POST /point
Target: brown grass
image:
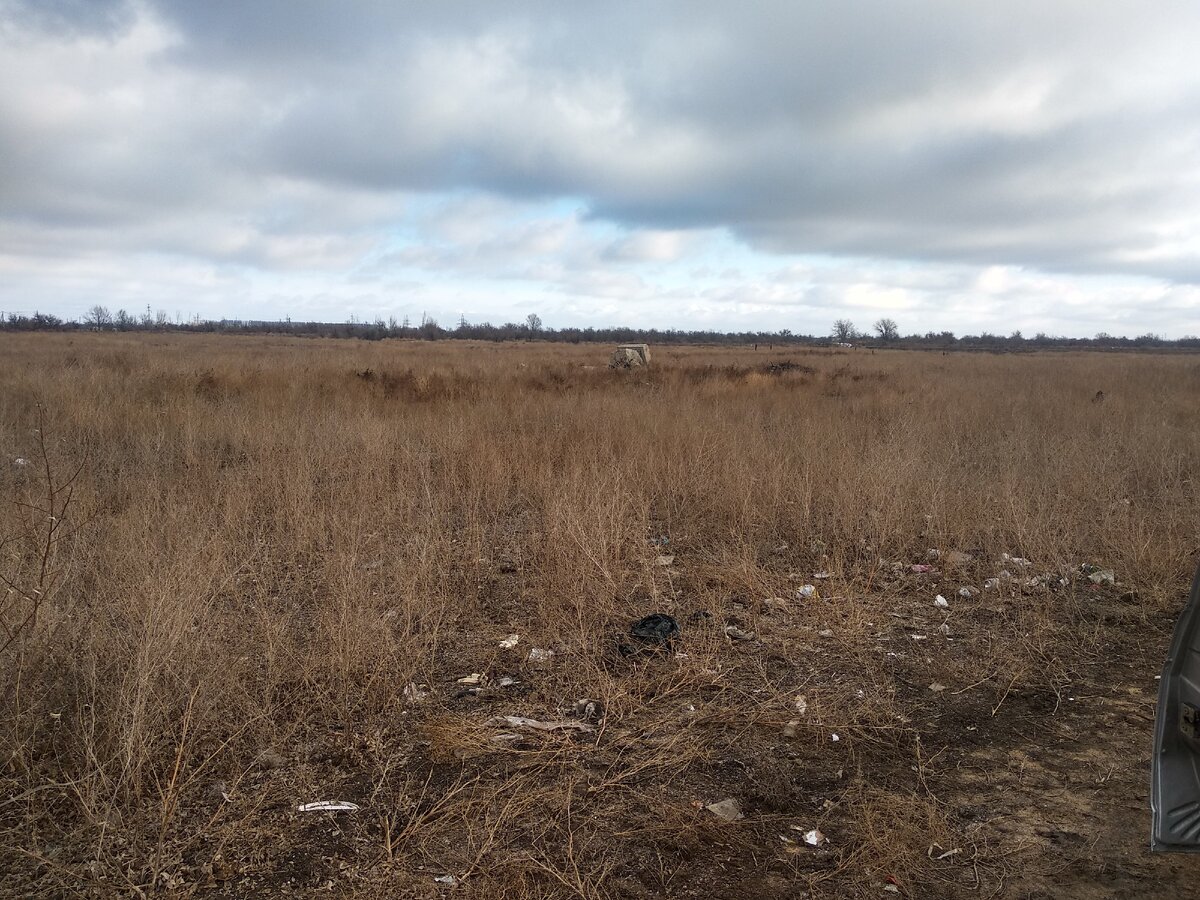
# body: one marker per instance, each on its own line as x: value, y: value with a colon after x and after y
x: 226, y: 546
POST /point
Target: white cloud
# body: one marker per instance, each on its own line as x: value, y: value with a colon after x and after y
x: 967, y: 166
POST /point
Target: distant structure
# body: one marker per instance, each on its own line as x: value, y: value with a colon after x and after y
x: 630, y: 356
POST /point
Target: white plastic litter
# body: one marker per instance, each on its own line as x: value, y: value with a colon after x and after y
x: 538, y: 725
x: 991, y: 584
x: 509, y: 642
x: 328, y: 806
x: 537, y: 654
x: 801, y: 704
x: 807, y: 591
x: 475, y: 678
x: 814, y: 838
x: 941, y: 601
x: 446, y: 879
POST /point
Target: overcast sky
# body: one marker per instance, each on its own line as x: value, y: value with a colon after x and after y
x: 952, y: 165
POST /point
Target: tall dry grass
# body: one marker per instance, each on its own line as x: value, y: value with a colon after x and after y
x: 268, y: 537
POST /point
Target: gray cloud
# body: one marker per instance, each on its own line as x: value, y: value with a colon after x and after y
x: 1057, y: 137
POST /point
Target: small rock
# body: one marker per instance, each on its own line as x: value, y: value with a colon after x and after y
x: 729, y: 810
x: 589, y: 710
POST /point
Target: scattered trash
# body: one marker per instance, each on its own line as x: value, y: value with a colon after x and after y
x: 538, y: 725
x: 941, y: 602
x: 1019, y: 561
x: 923, y: 569
x: 20, y: 461
x: 825, y: 632
x: 791, y: 729
x: 656, y: 628
x: 807, y: 591
x: 414, y: 693
x: 475, y: 678
x: 821, y: 576
x: 509, y: 642
x: 1103, y: 576
x: 729, y: 810
x: 991, y: 584
x: 944, y: 628
x: 957, y: 558
x: 833, y: 737
x: 537, y: 654
x: 941, y: 856
x: 665, y: 561
x: 891, y: 889
x: 589, y: 710
x: 736, y: 634
x: 814, y: 838
x: 801, y: 704
x: 937, y: 688
x: 328, y: 806
x: 967, y: 592
x: 507, y: 681
x: 918, y: 637
x: 448, y: 880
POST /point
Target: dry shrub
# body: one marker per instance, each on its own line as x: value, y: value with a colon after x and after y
x: 275, y: 537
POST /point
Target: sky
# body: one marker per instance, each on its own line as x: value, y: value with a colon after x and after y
x: 954, y: 166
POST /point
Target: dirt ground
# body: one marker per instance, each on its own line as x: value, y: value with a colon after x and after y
x: 1037, y: 792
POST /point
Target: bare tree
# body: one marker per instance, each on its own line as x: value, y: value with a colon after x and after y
x: 534, y: 322
x: 98, y: 317
x: 887, y: 329
x: 844, y: 331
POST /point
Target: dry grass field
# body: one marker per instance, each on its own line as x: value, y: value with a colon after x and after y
x: 244, y: 574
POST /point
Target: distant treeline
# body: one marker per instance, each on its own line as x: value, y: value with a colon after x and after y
x: 842, y: 334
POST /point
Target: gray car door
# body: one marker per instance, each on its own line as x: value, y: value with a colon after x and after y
x: 1175, y: 767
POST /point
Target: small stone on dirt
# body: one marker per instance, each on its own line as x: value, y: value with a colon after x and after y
x: 729, y: 810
